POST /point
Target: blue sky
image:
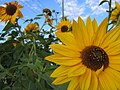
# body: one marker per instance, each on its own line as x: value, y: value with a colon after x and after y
x: 73, y: 8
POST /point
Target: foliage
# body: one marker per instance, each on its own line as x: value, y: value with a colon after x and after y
x: 22, y: 64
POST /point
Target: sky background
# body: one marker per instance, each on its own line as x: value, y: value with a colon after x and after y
x: 73, y: 8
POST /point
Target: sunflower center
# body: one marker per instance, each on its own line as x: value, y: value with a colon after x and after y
x: 11, y: 9
x: 94, y: 58
x: 64, y: 28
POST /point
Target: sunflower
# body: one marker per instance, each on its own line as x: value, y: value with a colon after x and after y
x: 31, y: 27
x: 64, y: 25
x: 116, y: 12
x: 10, y: 12
x: 89, y: 58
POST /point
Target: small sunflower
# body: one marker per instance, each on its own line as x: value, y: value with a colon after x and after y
x: 116, y: 12
x: 64, y: 25
x: 10, y: 12
x: 89, y: 58
x: 31, y: 27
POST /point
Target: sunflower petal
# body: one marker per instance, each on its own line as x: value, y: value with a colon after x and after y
x: 114, y: 59
x: 73, y: 84
x: 95, y: 25
x: 104, y: 78
x: 86, y: 78
x: 110, y: 37
x: 117, y: 5
x: 100, y: 32
x: 76, y: 70
x: 103, y: 81
x: 94, y: 81
x: 68, y: 39
x: 90, y: 29
x: 66, y: 61
x: 115, y: 66
x: 114, y: 48
x: 113, y: 76
x: 83, y: 32
x: 61, y: 80
x: 20, y: 14
x: 60, y: 71
x: 64, y: 50
x: 78, y: 34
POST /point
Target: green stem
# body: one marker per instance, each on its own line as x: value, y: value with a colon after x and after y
x: 34, y: 45
x: 43, y: 25
x: 63, y: 9
x: 109, y: 15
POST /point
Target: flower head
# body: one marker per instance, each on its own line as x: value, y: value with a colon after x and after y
x: 115, y: 13
x: 89, y: 57
x: 10, y: 12
x: 31, y: 27
x: 64, y: 26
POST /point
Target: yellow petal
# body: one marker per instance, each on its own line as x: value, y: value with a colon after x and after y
x: 60, y: 71
x: 100, y: 32
x: 77, y: 70
x: 61, y: 80
x: 107, y: 78
x: 110, y: 37
x: 95, y: 25
x: 117, y: 5
x: 20, y: 14
x: 113, y: 17
x: 78, y: 35
x: 86, y: 78
x: 114, y: 59
x: 13, y: 18
x: 94, y: 81
x: 64, y: 50
x: 61, y: 60
x: 114, y: 48
x: 68, y: 39
x: 73, y: 84
x: 113, y: 76
x: 20, y: 6
x: 115, y: 66
x: 83, y: 32
x: 90, y: 29
x: 115, y: 12
x: 103, y: 81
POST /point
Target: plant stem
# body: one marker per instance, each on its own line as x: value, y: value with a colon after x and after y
x: 109, y: 15
x: 62, y: 9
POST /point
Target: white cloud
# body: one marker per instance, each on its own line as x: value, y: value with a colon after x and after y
x: 75, y: 8
x: 72, y: 9
x: 94, y: 7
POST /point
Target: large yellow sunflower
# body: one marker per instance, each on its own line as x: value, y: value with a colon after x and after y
x: 116, y: 12
x: 64, y: 26
x: 10, y: 12
x: 89, y: 58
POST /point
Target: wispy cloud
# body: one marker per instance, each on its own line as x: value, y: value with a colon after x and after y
x: 72, y: 8
x: 75, y: 8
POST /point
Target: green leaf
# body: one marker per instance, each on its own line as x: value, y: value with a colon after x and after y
x: 7, y: 28
x: 40, y: 15
x: 2, y: 75
x: 18, y: 52
x: 36, y: 18
x: 103, y: 2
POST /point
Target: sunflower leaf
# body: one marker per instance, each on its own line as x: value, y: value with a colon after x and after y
x: 103, y: 2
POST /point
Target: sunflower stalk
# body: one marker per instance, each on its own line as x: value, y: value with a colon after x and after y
x: 63, y: 10
x: 109, y: 14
